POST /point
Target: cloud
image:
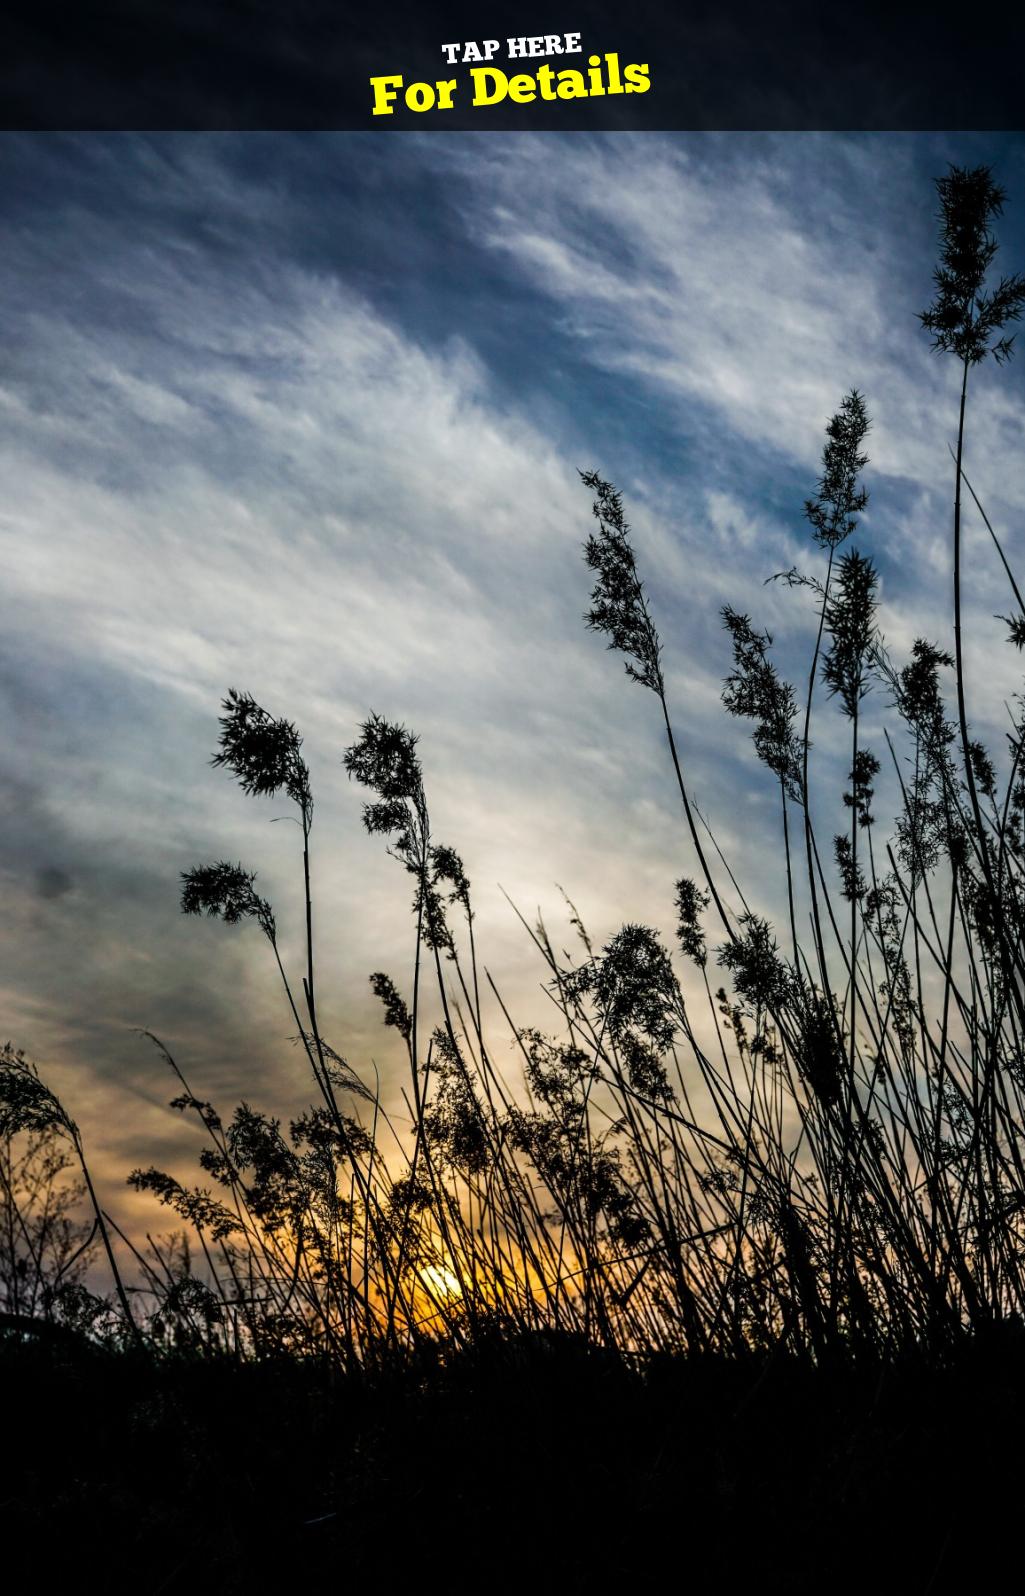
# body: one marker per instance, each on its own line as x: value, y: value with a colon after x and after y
x: 243, y: 456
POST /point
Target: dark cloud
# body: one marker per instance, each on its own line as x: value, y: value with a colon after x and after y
x: 52, y: 882
x: 303, y: 416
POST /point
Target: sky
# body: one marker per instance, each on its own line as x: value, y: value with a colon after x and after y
x: 303, y: 415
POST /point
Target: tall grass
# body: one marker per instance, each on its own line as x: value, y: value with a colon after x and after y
x: 809, y: 1143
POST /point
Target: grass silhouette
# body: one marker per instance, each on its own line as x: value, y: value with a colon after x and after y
x: 742, y: 1187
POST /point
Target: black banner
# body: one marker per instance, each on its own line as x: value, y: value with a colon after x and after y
x: 561, y: 66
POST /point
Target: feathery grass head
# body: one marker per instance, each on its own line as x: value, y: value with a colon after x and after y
x: 918, y: 697
x: 926, y: 826
x: 385, y: 760
x: 691, y: 902
x: 754, y: 962
x: 863, y: 773
x: 396, y: 1012
x: 256, y: 1147
x: 454, y: 1121
x: 983, y: 770
x: 444, y: 866
x: 963, y: 318
x: 558, y: 1074
x: 194, y: 1205
x: 26, y: 1102
x: 225, y: 891
x: 262, y: 752
x: 755, y: 689
x: 819, y: 1049
x: 850, y: 623
x: 852, y: 882
x: 633, y: 986
x: 447, y: 866
x: 1015, y: 629
x: 618, y: 606
x: 839, y: 498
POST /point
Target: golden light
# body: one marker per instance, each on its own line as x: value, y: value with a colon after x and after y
x: 440, y: 1281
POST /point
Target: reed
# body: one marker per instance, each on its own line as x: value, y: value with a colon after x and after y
x: 806, y: 1144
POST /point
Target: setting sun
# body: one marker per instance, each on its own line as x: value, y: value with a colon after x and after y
x: 440, y: 1281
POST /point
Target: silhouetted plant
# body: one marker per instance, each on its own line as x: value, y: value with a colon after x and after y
x: 45, y: 1247
x: 850, y: 619
x: 754, y: 961
x: 396, y: 1012
x: 196, y: 1207
x: 263, y: 753
x: 823, y: 1157
x: 225, y: 892
x: 963, y: 318
x: 754, y: 689
x: 618, y: 605
x: 840, y: 498
x: 28, y: 1105
x: 691, y: 903
x: 619, y: 608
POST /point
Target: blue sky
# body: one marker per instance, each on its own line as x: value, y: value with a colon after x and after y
x: 302, y: 415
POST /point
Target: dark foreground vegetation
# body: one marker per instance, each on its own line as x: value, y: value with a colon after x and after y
x: 730, y: 1266
x: 548, y: 1467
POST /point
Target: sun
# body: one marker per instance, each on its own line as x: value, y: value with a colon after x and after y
x: 441, y: 1282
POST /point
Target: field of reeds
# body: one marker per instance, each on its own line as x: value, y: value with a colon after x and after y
x: 744, y: 1230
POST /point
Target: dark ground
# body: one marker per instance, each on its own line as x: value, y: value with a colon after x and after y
x: 550, y: 1469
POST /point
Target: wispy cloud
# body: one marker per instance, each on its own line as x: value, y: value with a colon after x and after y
x: 303, y: 417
